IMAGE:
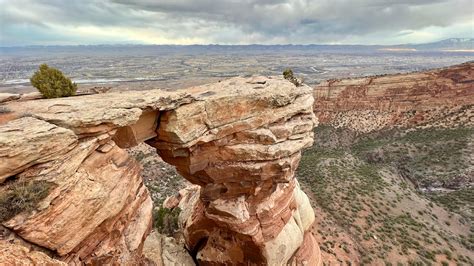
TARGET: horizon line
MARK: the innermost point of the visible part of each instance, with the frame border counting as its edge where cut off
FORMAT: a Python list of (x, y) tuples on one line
[(217, 44)]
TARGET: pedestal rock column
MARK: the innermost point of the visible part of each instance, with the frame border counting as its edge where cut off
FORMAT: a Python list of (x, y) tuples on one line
[(241, 142)]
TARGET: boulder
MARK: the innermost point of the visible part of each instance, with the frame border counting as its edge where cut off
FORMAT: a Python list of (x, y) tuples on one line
[(163, 250)]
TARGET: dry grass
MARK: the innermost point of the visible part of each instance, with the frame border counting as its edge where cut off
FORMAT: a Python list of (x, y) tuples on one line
[(23, 196)]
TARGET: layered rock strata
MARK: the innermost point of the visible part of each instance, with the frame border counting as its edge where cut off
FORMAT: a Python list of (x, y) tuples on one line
[(242, 149), (372, 103), (98, 210), (239, 140)]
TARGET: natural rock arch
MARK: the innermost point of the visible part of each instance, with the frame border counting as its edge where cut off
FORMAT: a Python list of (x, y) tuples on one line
[(240, 140)]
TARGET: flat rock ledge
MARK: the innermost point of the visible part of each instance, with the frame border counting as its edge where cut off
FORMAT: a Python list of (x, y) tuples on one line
[(239, 141)]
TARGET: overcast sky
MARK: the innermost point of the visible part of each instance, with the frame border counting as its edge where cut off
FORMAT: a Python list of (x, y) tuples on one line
[(26, 22)]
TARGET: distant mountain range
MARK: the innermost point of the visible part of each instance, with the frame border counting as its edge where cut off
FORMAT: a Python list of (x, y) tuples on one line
[(447, 44)]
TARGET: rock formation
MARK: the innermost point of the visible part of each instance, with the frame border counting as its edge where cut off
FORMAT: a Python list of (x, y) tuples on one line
[(239, 140), (163, 251), (98, 210), (372, 103)]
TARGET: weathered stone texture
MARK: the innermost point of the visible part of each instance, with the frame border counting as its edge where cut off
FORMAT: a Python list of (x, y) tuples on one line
[(12, 254), (373, 103), (239, 140), (242, 148)]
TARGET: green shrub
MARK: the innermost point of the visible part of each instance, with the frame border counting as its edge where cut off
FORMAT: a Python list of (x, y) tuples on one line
[(21, 196), (166, 220), (288, 75), (52, 83)]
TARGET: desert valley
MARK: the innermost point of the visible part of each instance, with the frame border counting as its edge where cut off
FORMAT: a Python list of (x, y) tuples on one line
[(386, 165), (272, 133)]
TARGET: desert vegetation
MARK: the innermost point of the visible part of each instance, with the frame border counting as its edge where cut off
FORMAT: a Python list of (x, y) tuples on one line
[(371, 193), (427, 157), (288, 75), (165, 220), (162, 181), (21, 196), (52, 83)]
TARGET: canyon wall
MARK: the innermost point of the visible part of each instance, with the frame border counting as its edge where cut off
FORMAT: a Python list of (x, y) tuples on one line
[(372, 103), (238, 140)]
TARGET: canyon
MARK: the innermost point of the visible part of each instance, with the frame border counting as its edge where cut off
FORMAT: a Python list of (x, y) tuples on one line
[(373, 103), (238, 140), (365, 191), (391, 170)]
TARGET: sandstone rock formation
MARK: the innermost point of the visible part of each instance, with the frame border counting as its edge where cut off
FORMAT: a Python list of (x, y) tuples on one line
[(239, 140), (163, 251), (13, 254), (98, 206), (372, 103), (5, 97)]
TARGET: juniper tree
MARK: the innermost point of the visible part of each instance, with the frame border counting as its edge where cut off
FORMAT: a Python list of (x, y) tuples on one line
[(288, 75), (52, 83)]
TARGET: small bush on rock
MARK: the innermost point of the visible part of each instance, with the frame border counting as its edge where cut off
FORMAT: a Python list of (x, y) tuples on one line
[(166, 220), (288, 75), (52, 83), (22, 196)]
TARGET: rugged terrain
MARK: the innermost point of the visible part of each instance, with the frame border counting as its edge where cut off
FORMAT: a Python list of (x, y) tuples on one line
[(441, 98), (390, 174), (394, 191), (154, 66), (70, 191)]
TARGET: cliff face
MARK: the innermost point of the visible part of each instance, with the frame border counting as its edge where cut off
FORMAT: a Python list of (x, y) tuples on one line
[(394, 151), (371, 103), (243, 150), (239, 140)]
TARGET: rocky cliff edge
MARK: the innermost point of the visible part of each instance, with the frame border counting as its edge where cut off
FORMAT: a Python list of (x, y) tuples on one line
[(238, 140)]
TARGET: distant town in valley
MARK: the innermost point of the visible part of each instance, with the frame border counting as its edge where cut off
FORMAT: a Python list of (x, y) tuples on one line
[(176, 66), (289, 132)]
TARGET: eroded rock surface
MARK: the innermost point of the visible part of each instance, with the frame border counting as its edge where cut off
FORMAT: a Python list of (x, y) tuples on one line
[(239, 140), (403, 100), (163, 250), (12, 254), (98, 209), (5, 97), (242, 149)]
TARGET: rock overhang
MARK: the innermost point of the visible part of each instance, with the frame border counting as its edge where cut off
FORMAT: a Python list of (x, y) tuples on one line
[(123, 108), (239, 139)]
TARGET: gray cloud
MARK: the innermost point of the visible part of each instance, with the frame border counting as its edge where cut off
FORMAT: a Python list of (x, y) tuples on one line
[(246, 21)]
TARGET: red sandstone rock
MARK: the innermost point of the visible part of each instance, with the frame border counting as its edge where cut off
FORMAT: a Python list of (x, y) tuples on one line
[(372, 103), (306, 254), (240, 140), (13, 254), (250, 208)]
